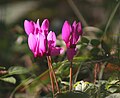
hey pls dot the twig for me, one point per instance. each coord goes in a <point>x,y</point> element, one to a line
<point>110,19</point>
<point>78,70</point>
<point>100,78</point>
<point>77,12</point>
<point>96,71</point>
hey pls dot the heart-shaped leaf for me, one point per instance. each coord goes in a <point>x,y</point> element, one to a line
<point>95,42</point>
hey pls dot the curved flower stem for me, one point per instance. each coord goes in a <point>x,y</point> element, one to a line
<point>53,73</point>
<point>96,71</point>
<point>51,78</point>
<point>70,76</point>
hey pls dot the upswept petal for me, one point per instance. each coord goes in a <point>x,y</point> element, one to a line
<point>74,25</point>
<point>45,25</point>
<point>56,51</point>
<point>70,53</point>
<point>32,42</point>
<point>36,52</point>
<point>29,26</point>
<point>51,39</point>
<point>38,24</point>
<point>74,36</point>
<point>37,27</point>
<point>79,28</point>
<point>42,43</point>
<point>66,31</point>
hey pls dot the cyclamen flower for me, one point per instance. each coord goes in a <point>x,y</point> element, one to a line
<point>40,40</point>
<point>52,49</point>
<point>71,36</point>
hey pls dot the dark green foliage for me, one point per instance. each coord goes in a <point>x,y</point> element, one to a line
<point>30,76</point>
<point>95,42</point>
<point>94,51</point>
<point>84,40</point>
<point>73,95</point>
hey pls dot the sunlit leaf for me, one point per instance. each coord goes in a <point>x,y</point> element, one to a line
<point>115,95</point>
<point>9,79</point>
<point>112,89</point>
<point>114,81</point>
<point>113,86</point>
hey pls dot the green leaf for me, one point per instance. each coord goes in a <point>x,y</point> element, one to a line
<point>80,58</point>
<point>73,95</point>
<point>114,81</point>
<point>17,70</point>
<point>1,67</point>
<point>84,40</point>
<point>112,89</point>
<point>115,95</point>
<point>83,46</point>
<point>9,79</point>
<point>95,51</point>
<point>95,42</point>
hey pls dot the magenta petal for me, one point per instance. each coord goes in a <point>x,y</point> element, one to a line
<point>41,53</point>
<point>74,38</point>
<point>36,52</point>
<point>32,42</point>
<point>51,39</point>
<point>29,26</point>
<point>66,31</point>
<point>74,25</point>
<point>56,51</point>
<point>38,24</point>
<point>75,35</point>
<point>42,43</point>
<point>70,53</point>
<point>45,25</point>
<point>79,28</point>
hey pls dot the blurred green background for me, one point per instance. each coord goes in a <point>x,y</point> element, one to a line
<point>14,12</point>
<point>13,39</point>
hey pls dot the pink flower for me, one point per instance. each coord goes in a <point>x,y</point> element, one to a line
<point>37,36</point>
<point>40,40</point>
<point>29,26</point>
<point>71,35</point>
<point>52,49</point>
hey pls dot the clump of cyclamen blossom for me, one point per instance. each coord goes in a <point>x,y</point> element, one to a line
<point>71,35</point>
<point>41,42</point>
